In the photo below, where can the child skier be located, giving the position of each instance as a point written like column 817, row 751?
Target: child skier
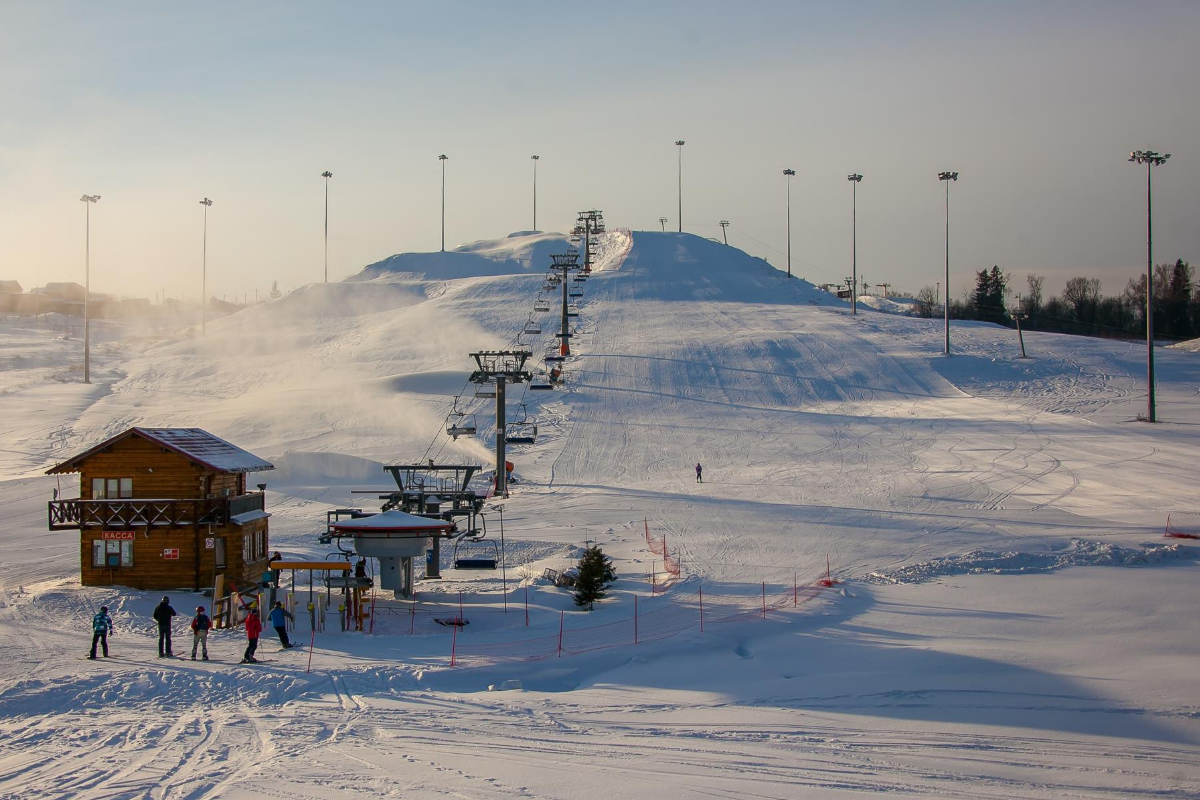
column 253, row 629
column 279, row 615
column 200, row 627
column 101, row 627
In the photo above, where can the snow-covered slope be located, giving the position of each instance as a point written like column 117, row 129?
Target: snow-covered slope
column 821, row 435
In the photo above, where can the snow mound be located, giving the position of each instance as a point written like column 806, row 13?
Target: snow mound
column 904, row 306
column 516, row 254
column 1080, row 553
column 1189, row 346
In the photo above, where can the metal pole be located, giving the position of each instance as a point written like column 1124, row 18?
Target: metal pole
column 565, row 348
column 789, row 226
column 204, row 270
column 679, row 144
column 503, row 569
column 327, row 229
column 87, row 293
column 1149, row 303
column 442, row 158
column 946, row 305
column 854, row 245
column 501, row 473
column 535, row 160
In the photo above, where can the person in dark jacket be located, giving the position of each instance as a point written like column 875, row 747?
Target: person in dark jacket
column 253, row 630
column 201, row 623
column 162, row 615
column 279, row 615
column 101, row 628
column 699, row 473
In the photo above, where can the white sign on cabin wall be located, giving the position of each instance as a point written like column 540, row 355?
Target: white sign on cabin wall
column 210, row 542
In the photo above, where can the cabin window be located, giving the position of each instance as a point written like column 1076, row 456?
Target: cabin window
column 111, row 488
column 112, row 553
column 247, row 544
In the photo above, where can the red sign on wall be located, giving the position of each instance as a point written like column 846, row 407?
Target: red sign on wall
column 124, row 536
column 171, row 554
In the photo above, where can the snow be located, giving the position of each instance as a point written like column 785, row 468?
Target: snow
column 1012, row 623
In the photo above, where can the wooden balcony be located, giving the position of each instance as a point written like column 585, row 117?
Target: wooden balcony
column 138, row 513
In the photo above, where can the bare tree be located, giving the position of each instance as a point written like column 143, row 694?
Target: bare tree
column 1082, row 294
column 927, row 301
column 1033, row 299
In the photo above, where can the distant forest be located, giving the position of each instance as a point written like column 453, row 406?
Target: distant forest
column 1081, row 308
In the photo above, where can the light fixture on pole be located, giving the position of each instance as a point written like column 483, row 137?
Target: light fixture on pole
column 443, row 158
column 204, row 269
column 679, row 143
column 789, row 174
column 1151, row 159
column 663, row 221
column 854, row 179
column 947, row 177
column 535, row 159
column 327, row 175
column 724, row 224
column 87, row 199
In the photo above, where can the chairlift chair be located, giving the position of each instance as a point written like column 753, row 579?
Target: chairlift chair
column 572, row 311
column 459, row 424
column 575, row 293
column 532, row 327
column 541, row 305
column 520, row 433
column 480, row 553
column 485, row 390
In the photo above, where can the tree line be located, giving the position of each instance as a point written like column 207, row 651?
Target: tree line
column 1081, row 308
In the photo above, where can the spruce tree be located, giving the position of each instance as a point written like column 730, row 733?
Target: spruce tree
column 595, row 573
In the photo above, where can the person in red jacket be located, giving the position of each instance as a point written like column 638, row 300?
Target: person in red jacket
column 253, row 629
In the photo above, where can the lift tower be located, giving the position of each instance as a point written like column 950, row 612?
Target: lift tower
column 589, row 222
column 565, row 262
column 500, row 367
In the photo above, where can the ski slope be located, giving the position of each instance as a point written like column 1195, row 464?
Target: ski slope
column 950, row 664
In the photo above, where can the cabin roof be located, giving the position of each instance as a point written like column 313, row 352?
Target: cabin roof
column 195, row 444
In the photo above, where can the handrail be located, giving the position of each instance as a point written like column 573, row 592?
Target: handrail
column 149, row 512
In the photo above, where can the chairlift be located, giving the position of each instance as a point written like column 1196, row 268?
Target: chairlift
column 480, row 553
column 575, row 293
column 485, row 390
column 459, row 424
column 572, row 311
column 520, row 433
column 532, row 328
column 541, row 305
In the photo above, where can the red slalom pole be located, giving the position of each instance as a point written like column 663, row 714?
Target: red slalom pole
column 561, row 616
column 702, row 609
column 454, row 647
column 635, row 619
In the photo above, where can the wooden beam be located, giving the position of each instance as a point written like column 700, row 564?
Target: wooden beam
column 328, row 566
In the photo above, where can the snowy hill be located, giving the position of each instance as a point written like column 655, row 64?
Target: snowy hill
column 970, row 652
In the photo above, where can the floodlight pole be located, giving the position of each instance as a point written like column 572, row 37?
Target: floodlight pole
column 535, row 159
column 327, row 175
column 725, row 224
column 87, row 200
column 443, row 158
column 1150, row 159
column 204, row 269
column 946, row 177
column 679, row 144
column 789, row 173
column 854, row 179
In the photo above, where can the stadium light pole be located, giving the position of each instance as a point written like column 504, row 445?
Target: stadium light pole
column 87, row 200
column 1151, row 159
column 204, row 269
column 854, row 179
column 789, row 174
column 947, row 177
column 663, row 221
column 327, row 175
column 443, row 158
column 535, row 159
column 679, row 144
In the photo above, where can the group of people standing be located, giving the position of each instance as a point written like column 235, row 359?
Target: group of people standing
column 102, row 626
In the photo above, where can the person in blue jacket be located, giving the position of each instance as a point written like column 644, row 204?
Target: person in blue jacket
column 101, row 627
column 279, row 617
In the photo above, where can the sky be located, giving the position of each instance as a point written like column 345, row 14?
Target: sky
column 154, row 106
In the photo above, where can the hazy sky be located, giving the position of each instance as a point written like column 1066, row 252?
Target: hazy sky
column 155, row 105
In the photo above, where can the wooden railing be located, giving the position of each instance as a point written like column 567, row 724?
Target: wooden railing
column 125, row 514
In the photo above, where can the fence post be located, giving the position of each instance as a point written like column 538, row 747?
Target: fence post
column 312, row 640
column 635, row 619
column 561, row 617
column 764, row 600
column 371, row 629
column 702, row 609
column 526, row 606
column 412, row 619
column 653, row 584
column 454, row 647
column 460, row 612
column 795, row 589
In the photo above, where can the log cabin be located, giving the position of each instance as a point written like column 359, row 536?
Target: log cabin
column 165, row 508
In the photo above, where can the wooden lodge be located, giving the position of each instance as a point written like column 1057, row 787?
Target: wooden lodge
column 165, row 508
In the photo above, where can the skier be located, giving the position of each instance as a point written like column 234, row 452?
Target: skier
column 253, row 629
column 699, row 473
column 200, row 627
column 162, row 615
column 101, row 627
column 279, row 615
column 275, row 572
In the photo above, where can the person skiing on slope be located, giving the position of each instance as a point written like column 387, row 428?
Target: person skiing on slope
column 162, row 615
column 101, row 627
column 279, row 615
column 200, row 627
column 253, row 629
column 699, row 473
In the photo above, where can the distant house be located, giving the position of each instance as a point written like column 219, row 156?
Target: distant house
column 9, row 291
column 66, row 291
column 164, row 508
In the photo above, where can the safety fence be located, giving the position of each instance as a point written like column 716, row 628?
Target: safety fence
column 658, row 546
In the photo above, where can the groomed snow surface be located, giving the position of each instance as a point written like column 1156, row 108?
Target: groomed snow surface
column 1011, row 622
